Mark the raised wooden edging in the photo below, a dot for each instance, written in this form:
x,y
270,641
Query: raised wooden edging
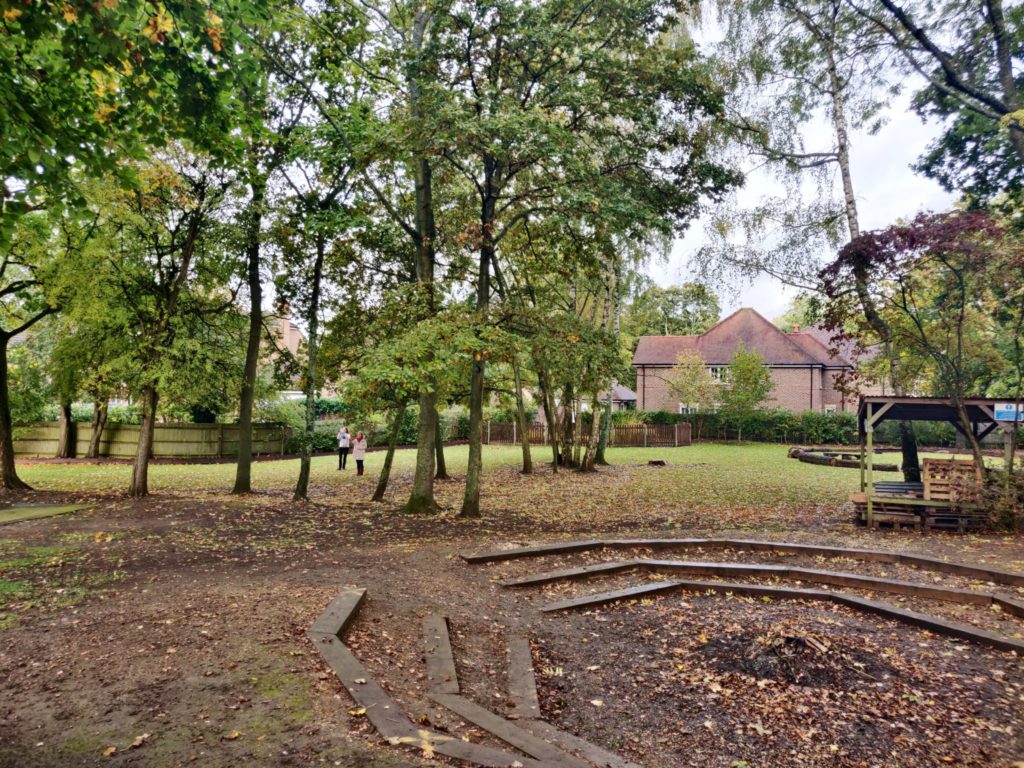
x,y
923,621
383,711
529,733
997,576
836,578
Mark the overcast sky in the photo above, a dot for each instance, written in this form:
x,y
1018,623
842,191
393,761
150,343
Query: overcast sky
x,y
886,187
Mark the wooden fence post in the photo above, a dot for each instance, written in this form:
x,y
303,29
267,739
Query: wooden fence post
x,y
488,431
645,435
220,440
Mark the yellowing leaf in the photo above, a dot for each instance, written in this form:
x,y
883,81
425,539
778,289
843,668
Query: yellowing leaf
x,y
159,25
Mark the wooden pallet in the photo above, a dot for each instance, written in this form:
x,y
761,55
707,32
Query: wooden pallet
x,y
943,477
896,512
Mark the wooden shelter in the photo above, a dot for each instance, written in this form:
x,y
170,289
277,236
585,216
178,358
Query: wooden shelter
x,y
931,503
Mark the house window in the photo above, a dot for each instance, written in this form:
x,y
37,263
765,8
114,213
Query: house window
x,y
718,373
830,409
688,409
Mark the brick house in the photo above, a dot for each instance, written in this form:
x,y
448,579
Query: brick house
x,y
803,370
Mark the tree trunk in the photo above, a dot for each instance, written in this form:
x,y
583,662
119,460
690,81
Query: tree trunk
x,y
587,465
908,441
611,323
524,434
550,415
474,466
99,422
568,426
442,465
66,438
140,472
606,431
243,468
972,438
385,470
313,348
421,500
9,479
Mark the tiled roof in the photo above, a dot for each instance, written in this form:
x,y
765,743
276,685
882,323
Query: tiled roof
x,y
619,393
718,344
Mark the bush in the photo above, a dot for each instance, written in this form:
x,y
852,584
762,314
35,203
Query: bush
x,y
510,414
936,434
291,413
775,425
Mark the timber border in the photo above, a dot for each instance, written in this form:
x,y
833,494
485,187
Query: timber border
x,y
995,575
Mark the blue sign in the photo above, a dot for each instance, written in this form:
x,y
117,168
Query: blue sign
x,y
1009,412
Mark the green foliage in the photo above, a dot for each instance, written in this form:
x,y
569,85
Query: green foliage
x,y
29,387
123,74
804,310
747,387
679,310
692,382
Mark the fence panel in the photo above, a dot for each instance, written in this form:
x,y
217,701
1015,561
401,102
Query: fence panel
x,y
622,435
179,441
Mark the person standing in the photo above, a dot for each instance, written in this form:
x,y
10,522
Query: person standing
x,y
344,443
359,451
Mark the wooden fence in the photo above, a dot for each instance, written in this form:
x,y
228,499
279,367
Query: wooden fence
x,y
180,441
622,435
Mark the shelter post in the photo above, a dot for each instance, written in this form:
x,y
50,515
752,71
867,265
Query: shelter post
x,y
869,435
862,462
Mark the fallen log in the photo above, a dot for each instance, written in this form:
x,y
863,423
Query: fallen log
x,y
826,460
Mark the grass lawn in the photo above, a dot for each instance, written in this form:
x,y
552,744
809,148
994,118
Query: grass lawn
x,y
171,630
734,473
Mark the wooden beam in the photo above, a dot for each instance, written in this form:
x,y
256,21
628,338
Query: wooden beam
x,y
921,620
874,419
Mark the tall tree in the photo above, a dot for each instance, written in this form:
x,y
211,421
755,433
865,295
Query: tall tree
x,y
969,54
748,385
273,112
937,282
158,269
787,63
679,310
313,256
626,123
391,44
39,244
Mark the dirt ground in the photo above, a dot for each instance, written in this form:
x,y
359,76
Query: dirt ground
x,y
171,631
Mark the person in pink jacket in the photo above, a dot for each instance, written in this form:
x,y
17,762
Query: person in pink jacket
x,y
359,451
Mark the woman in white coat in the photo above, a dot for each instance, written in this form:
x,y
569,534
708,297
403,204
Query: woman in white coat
x,y
359,451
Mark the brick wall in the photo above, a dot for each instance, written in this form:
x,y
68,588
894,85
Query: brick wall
x,y
796,389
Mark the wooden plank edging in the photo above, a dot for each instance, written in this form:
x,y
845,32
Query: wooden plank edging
x,y
920,620
508,732
834,578
1008,578
441,674
383,711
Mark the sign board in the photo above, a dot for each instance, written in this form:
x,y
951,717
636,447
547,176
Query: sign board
x,y
1009,412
